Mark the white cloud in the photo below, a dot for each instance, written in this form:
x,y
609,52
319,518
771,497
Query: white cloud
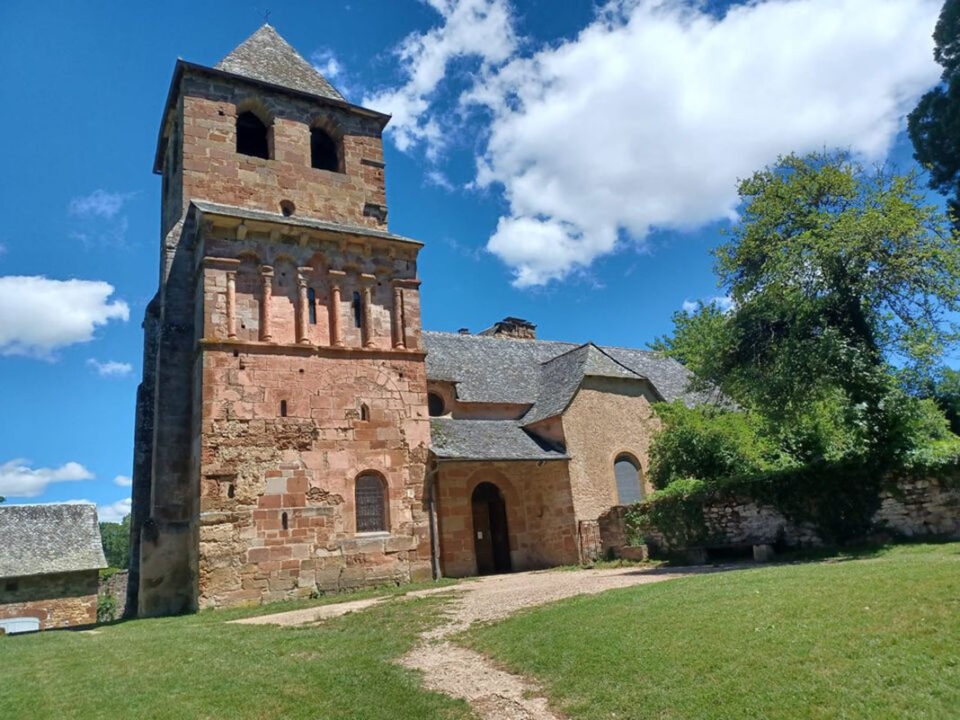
x,y
18,479
326,63
724,302
650,115
99,203
481,29
111,368
115,511
39,315
123,481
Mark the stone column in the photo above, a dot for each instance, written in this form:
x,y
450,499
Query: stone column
x,y
367,299
398,329
336,334
303,309
266,297
231,305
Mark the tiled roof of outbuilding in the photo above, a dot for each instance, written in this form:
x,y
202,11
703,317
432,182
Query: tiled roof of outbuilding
x,y
487,440
561,376
43,539
267,57
506,370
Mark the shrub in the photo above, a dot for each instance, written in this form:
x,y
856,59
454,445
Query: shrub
x,y
709,443
106,608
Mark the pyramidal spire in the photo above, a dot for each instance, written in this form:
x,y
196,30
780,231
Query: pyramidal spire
x,y
267,57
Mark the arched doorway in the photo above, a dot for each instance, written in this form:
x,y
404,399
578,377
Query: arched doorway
x,y
490,539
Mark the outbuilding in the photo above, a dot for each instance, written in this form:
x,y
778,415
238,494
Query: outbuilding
x,y
50,558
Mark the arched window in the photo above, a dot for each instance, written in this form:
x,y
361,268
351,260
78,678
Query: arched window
x,y
435,405
252,136
357,310
629,482
370,504
364,412
323,151
285,521
312,305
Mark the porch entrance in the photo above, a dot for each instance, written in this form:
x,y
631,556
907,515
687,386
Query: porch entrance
x,y
490,539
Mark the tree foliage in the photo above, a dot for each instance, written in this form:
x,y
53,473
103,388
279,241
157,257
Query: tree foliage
x,y
842,283
934,125
116,542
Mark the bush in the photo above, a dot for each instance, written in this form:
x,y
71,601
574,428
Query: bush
x,y
106,608
709,443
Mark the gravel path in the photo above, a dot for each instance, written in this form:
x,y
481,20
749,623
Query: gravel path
x,y
493,693
463,673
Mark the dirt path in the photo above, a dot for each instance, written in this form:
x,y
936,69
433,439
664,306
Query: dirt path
x,y
493,693
463,673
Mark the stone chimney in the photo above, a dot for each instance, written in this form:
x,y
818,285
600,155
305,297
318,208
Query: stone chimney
x,y
511,327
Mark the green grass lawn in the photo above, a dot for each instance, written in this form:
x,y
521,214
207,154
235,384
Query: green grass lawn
x,y
198,667
877,637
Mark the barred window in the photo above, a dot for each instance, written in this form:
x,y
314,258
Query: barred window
x,y
371,508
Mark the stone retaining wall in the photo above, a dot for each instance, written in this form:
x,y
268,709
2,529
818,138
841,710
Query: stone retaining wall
x,y
915,508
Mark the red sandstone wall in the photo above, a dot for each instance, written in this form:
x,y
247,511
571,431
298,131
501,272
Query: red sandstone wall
x,y
213,170
305,465
540,518
58,600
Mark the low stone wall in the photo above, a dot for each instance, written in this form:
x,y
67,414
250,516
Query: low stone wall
x,y
58,600
914,508
116,585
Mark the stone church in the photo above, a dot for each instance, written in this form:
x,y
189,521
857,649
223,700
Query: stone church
x,y
296,429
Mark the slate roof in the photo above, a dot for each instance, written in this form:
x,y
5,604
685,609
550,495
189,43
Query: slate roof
x,y
507,370
488,440
44,539
267,57
561,376
243,213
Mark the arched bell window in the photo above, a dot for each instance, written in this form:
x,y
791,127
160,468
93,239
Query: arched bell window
x,y
323,151
370,503
626,470
252,136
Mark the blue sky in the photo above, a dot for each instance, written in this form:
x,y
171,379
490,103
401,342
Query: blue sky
x,y
564,162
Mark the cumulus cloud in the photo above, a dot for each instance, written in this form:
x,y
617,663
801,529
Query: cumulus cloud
x,y
99,203
480,29
115,511
39,315
111,368
647,118
18,479
122,481
724,302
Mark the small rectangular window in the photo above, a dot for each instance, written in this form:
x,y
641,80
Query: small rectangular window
x,y
312,305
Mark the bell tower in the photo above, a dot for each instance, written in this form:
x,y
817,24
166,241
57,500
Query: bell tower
x,y
282,428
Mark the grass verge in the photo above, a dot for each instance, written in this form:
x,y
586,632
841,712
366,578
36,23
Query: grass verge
x,y
197,666
860,638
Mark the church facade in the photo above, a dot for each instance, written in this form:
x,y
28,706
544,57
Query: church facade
x,y
297,431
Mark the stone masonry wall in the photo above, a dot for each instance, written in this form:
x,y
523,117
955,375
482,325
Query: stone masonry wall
x,y
257,467
213,170
918,507
58,600
608,417
540,519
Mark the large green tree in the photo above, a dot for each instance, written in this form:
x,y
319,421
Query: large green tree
x,y
115,538
837,274
934,125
